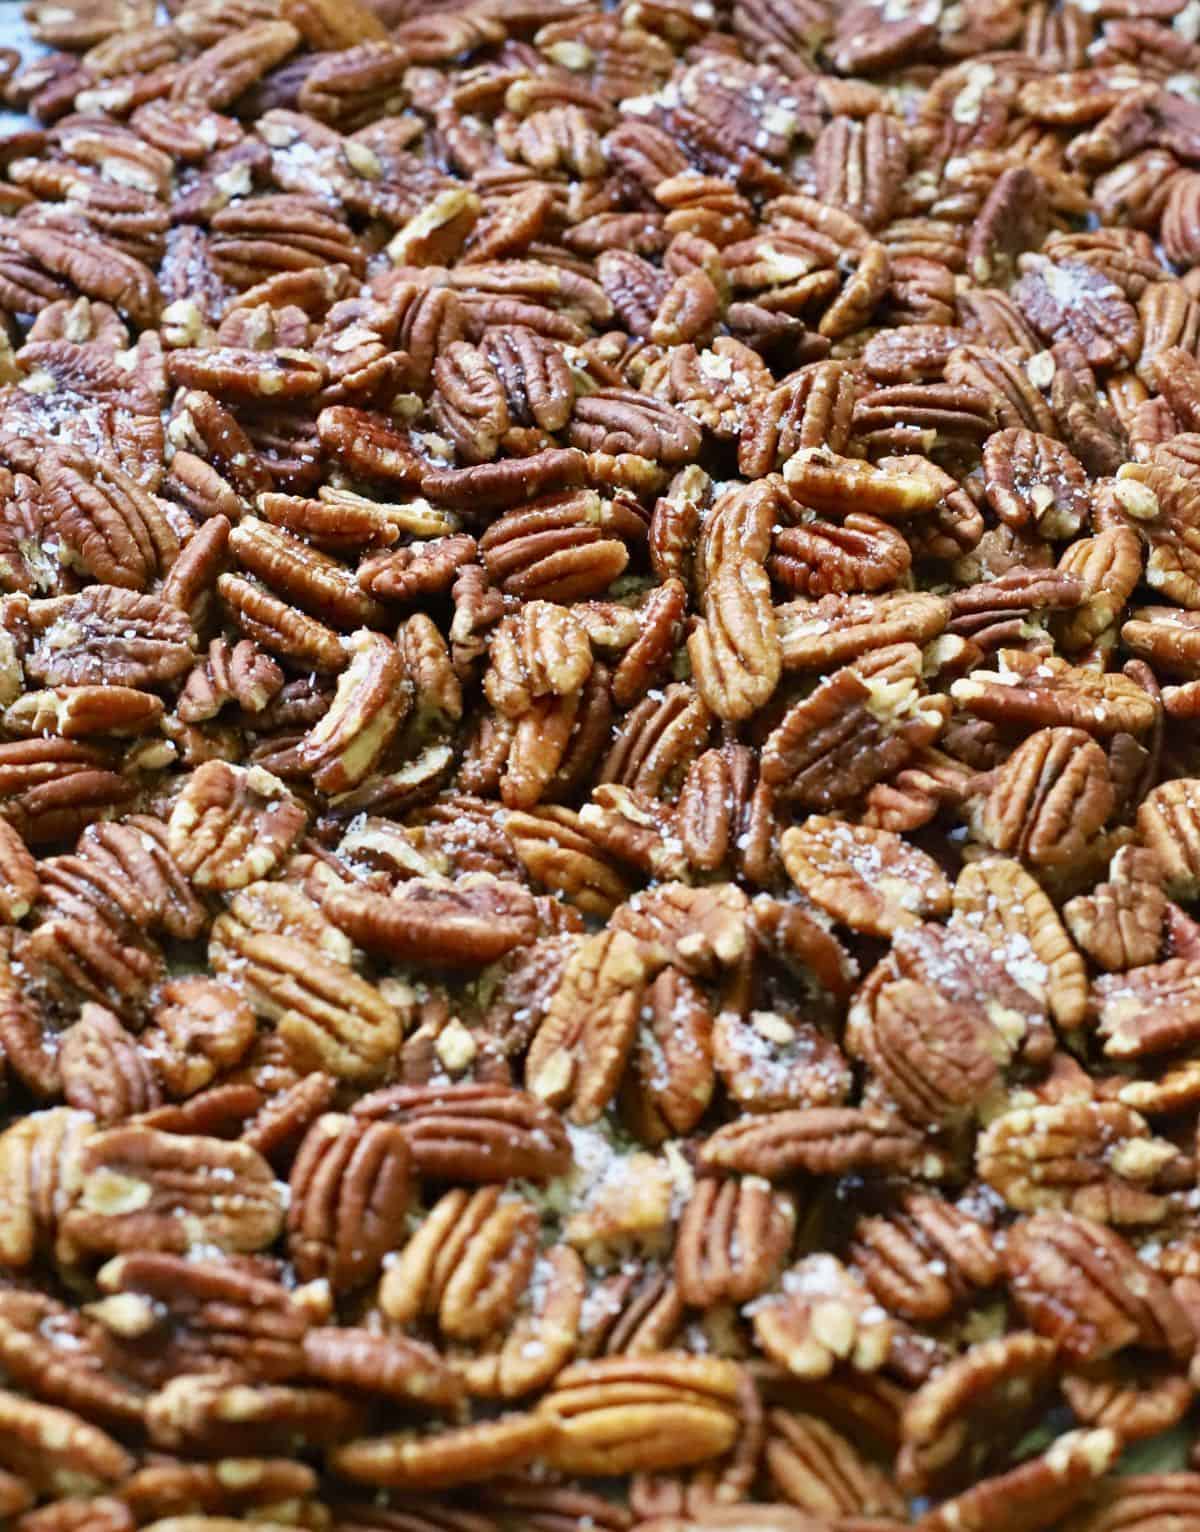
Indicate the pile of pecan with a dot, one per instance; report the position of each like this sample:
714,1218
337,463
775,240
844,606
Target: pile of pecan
599,771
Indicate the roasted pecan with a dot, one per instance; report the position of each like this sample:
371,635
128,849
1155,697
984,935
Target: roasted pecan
231,826
474,1132
1084,1287
142,1188
446,1457
733,1239
640,1414
869,880
349,1196
1092,1158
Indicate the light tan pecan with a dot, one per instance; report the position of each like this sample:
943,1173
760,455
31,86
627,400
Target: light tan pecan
466,1266
622,1415
869,880
140,1188
1093,1158
821,1315
445,1457
578,1053
1002,901
231,826
818,1469
40,1171
1151,1009
19,879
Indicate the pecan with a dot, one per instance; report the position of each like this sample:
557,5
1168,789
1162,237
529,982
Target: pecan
1050,798
924,1257
818,1469
853,730
103,1072
199,1028
1032,478
349,1194
1104,1297
733,1240
1047,692
207,1414
474,1132
108,635
818,1140
819,1316
231,826
56,1451
139,1187
201,1314
467,925
936,1034
640,1414
448,1457
1003,902
391,1366
1039,1492
1167,823
579,1051
467,1265
1091,1158
870,880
